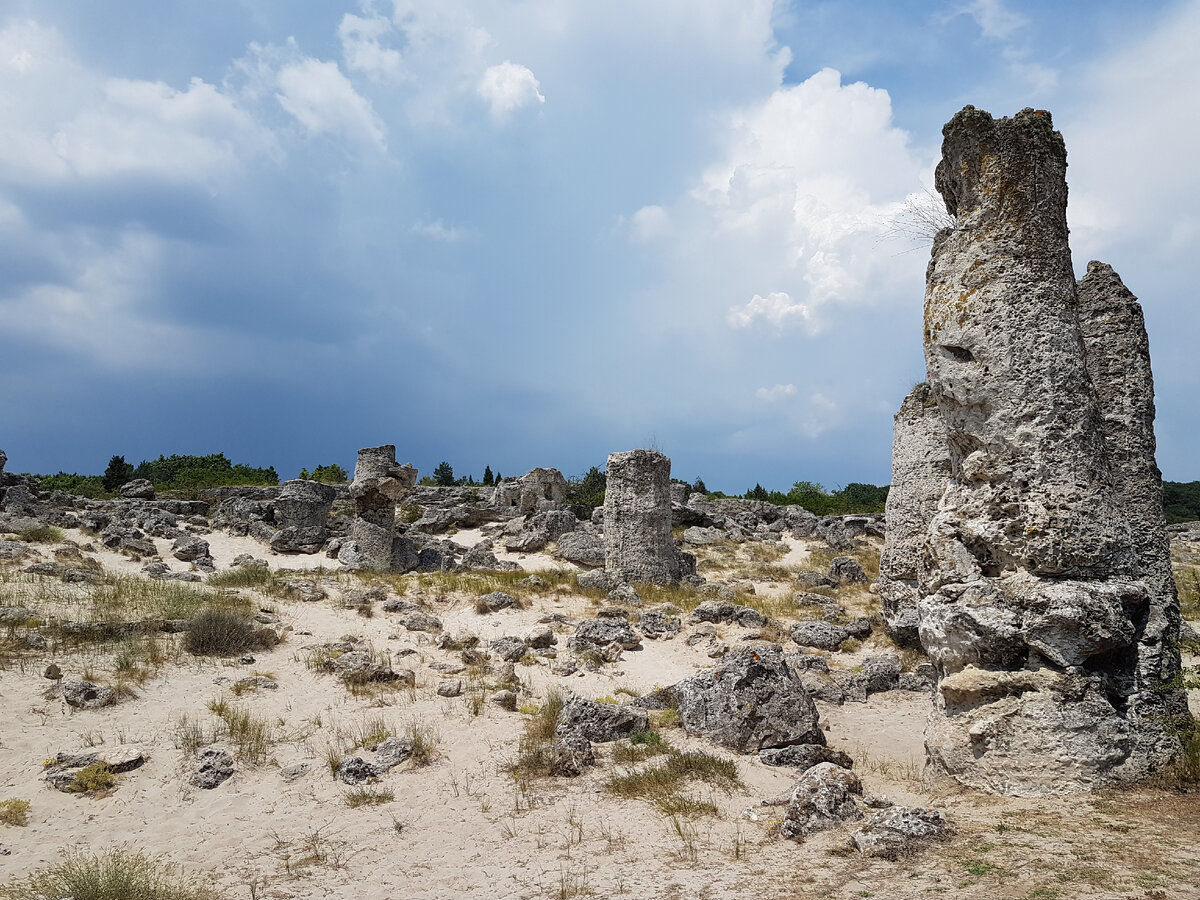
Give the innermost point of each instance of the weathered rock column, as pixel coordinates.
(920, 470)
(378, 483)
(1118, 361)
(638, 544)
(1030, 588)
(302, 515)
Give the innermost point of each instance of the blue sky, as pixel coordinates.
(534, 232)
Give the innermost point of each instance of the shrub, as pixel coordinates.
(330, 474)
(14, 812)
(117, 873)
(218, 632)
(96, 777)
(90, 486)
(41, 534)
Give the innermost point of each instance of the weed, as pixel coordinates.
(93, 779)
(14, 812)
(243, 577)
(218, 632)
(374, 732)
(365, 796)
(116, 873)
(532, 759)
(663, 783)
(252, 737)
(424, 739)
(40, 534)
(642, 745)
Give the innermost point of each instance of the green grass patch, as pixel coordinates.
(40, 534)
(251, 736)
(663, 783)
(117, 874)
(366, 796)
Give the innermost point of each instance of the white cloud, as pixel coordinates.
(62, 121)
(324, 101)
(362, 49)
(778, 392)
(648, 224)
(995, 20)
(777, 308)
(438, 231)
(509, 87)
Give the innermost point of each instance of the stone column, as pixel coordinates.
(302, 516)
(1030, 589)
(1118, 361)
(378, 483)
(920, 470)
(638, 544)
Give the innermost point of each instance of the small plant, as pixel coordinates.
(242, 577)
(642, 745)
(662, 784)
(410, 512)
(40, 534)
(365, 796)
(116, 873)
(218, 632)
(424, 739)
(14, 812)
(93, 779)
(252, 737)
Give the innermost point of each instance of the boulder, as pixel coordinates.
(804, 756)
(138, 489)
(822, 799)
(212, 766)
(190, 549)
(599, 722)
(581, 548)
(599, 633)
(898, 830)
(753, 700)
(87, 694)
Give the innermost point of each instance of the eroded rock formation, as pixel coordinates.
(302, 515)
(920, 469)
(638, 544)
(1034, 593)
(378, 483)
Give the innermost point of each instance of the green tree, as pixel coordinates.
(698, 486)
(443, 475)
(588, 489)
(330, 474)
(758, 492)
(304, 476)
(488, 478)
(118, 473)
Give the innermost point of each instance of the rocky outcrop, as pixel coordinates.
(1118, 361)
(1034, 597)
(378, 483)
(302, 516)
(536, 489)
(920, 470)
(638, 544)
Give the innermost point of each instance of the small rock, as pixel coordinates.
(496, 601)
(509, 649)
(600, 722)
(293, 773)
(823, 798)
(87, 694)
(213, 767)
(450, 688)
(894, 831)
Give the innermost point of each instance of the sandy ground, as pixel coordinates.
(464, 828)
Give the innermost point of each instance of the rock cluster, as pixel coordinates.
(638, 544)
(302, 516)
(1051, 619)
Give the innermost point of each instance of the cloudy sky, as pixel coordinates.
(537, 231)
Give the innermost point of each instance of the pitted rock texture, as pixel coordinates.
(752, 701)
(920, 470)
(638, 544)
(1118, 361)
(1035, 596)
(302, 516)
(378, 483)
(536, 489)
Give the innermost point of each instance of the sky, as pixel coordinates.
(534, 232)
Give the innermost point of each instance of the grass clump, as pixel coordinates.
(243, 577)
(251, 736)
(424, 739)
(533, 756)
(642, 745)
(93, 779)
(365, 796)
(117, 874)
(663, 783)
(14, 812)
(220, 632)
(40, 534)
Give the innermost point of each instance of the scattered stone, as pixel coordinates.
(625, 594)
(599, 722)
(753, 700)
(60, 773)
(822, 635)
(87, 694)
(594, 633)
(189, 549)
(720, 611)
(846, 570)
(505, 700)
(804, 756)
(415, 620)
(138, 489)
(496, 601)
(450, 688)
(814, 580)
(304, 589)
(256, 683)
(294, 772)
(656, 624)
(246, 561)
(570, 755)
(823, 798)
(598, 580)
(213, 766)
(355, 770)
(509, 649)
(581, 548)
(540, 637)
(898, 830)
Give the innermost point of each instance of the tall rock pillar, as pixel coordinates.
(378, 484)
(638, 544)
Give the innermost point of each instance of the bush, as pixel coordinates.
(14, 812)
(118, 874)
(40, 534)
(217, 632)
(330, 474)
(118, 473)
(96, 777)
(195, 472)
(90, 486)
(587, 489)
